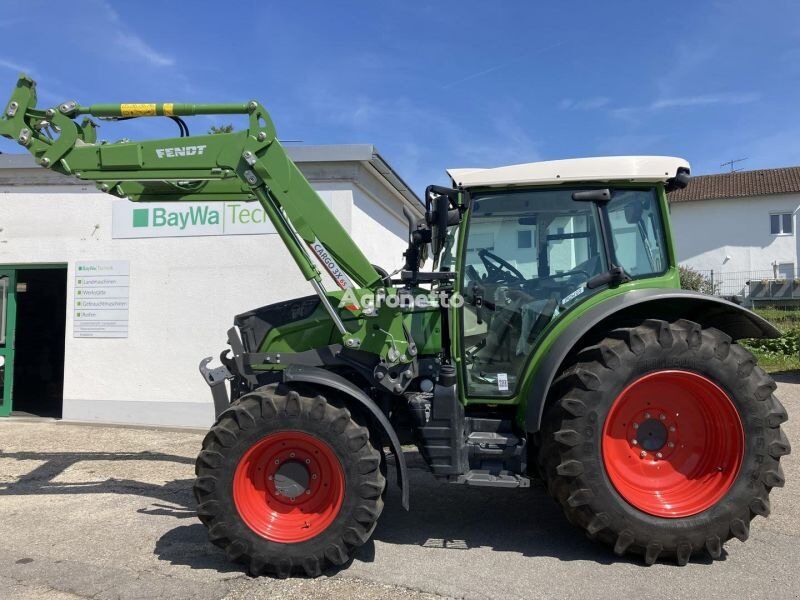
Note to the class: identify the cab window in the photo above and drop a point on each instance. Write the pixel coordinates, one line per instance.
(637, 232)
(527, 258)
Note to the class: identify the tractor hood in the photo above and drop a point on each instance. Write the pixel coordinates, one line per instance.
(650, 169)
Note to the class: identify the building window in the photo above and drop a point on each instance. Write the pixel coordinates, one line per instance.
(785, 271)
(524, 239)
(481, 241)
(780, 224)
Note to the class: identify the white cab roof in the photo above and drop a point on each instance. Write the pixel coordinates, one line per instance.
(603, 168)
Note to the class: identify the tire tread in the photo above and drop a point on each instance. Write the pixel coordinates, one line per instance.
(261, 409)
(572, 422)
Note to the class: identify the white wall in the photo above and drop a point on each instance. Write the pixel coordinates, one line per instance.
(384, 250)
(184, 293)
(708, 231)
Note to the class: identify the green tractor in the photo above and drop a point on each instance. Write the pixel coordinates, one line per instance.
(536, 331)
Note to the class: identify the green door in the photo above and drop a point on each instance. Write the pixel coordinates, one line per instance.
(8, 318)
(532, 255)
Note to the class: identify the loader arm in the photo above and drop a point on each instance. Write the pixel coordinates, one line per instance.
(248, 165)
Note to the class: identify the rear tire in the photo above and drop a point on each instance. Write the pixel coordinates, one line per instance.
(288, 483)
(707, 469)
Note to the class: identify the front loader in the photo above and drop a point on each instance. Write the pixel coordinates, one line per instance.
(548, 341)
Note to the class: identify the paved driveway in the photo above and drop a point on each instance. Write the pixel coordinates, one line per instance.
(107, 512)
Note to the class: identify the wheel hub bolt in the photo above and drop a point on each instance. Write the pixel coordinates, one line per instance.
(308, 492)
(308, 461)
(313, 476)
(291, 455)
(634, 441)
(672, 428)
(646, 415)
(662, 417)
(643, 454)
(636, 426)
(277, 461)
(659, 455)
(270, 477)
(671, 444)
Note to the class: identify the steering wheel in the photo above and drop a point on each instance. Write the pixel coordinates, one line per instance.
(495, 267)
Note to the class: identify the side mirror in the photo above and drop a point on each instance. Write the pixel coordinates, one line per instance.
(439, 215)
(680, 181)
(440, 220)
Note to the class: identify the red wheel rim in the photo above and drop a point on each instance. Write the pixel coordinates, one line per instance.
(288, 487)
(673, 443)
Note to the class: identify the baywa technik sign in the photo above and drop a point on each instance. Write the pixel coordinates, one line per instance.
(186, 219)
(100, 304)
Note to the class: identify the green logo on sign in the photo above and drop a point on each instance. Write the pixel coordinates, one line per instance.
(141, 217)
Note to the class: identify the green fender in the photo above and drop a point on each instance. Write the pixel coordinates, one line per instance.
(669, 304)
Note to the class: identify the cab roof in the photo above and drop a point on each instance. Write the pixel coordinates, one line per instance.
(651, 169)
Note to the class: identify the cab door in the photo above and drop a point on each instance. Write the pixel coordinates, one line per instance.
(532, 255)
(527, 258)
(8, 313)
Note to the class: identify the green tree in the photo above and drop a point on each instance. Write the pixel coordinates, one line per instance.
(221, 128)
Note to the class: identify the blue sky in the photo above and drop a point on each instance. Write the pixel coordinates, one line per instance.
(439, 84)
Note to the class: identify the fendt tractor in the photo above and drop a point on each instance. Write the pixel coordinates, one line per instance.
(536, 331)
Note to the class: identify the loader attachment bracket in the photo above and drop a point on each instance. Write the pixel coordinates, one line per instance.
(215, 378)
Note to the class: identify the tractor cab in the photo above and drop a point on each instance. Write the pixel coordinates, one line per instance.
(542, 238)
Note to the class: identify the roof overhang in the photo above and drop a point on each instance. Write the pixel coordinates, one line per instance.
(646, 169)
(365, 154)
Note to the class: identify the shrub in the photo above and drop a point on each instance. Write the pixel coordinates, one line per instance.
(787, 345)
(696, 281)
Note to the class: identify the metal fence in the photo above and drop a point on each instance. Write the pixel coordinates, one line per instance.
(756, 288)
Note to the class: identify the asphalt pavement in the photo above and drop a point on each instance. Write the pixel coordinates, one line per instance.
(107, 513)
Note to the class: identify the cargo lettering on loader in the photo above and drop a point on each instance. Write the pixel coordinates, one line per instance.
(338, 274)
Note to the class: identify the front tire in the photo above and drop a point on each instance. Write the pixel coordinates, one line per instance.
(664, 440)
(288, 483)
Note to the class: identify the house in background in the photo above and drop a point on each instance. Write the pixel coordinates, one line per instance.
(740, 228)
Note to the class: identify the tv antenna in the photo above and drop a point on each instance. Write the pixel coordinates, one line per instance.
(731, 163)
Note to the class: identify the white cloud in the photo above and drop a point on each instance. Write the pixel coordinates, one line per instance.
(472, 76)
(705, 100)
(133, 44)
(632, 114)
(137, 46)
(585, 104)
(14, 66)
(528, 56)
(506, 141)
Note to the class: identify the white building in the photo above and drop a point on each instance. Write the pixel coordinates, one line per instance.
(172, 285)
(742, 226)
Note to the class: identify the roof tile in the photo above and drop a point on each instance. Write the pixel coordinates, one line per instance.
(739, 184)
